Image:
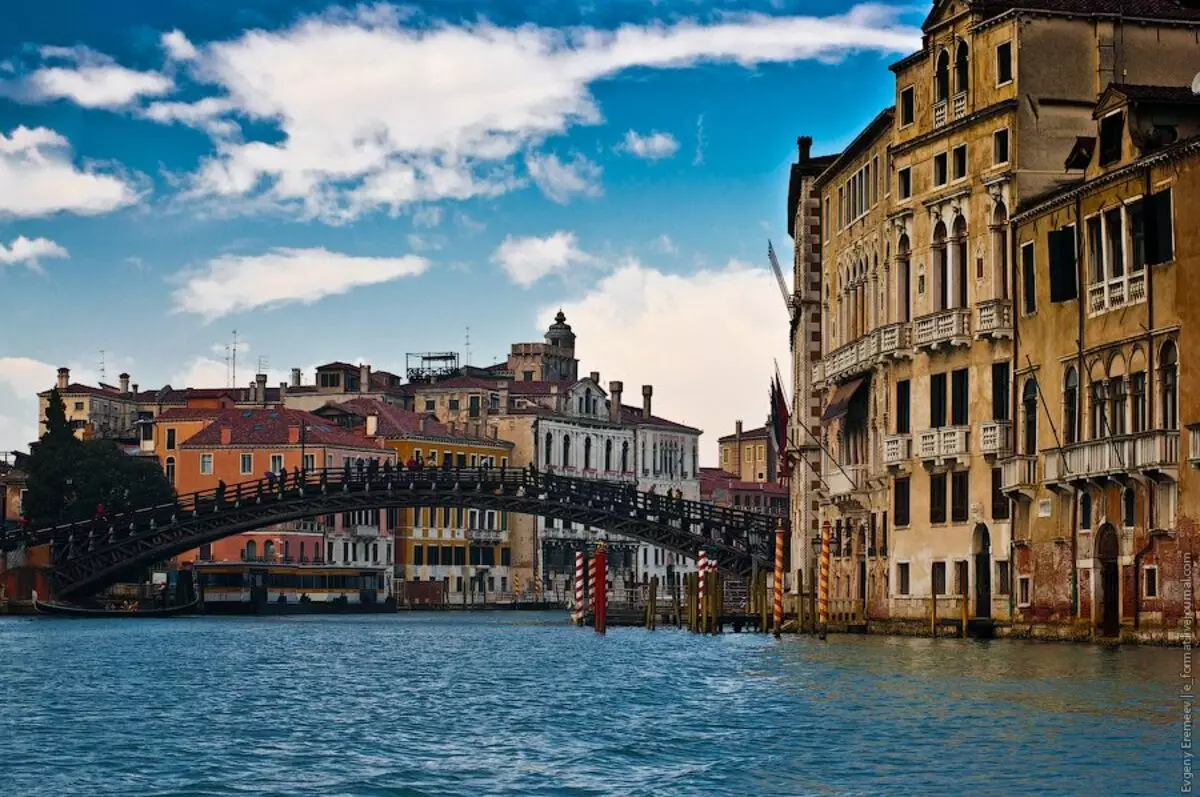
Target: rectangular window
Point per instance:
(902, 587)
(907, 106)
(825, 221)
(452, 404)
(78, 406)
(310, 462)
(960, 397)
(1138, 389)
(937, 498)
(1112, 131)
(960, 162)
(1004, 70)
(1061, 245)
(959, 495)
(1000, 391)
(1114, 231)
(874, 180)
(960, 577)
(1159, 229)
(1001, 510)
(1023, 591)
(1000, 147)
(206, 464)
(276, 463)
(1150, 581)
(939, 578)
(841, 207)
(1116, 393)
(904, 182)
(1028, 279)
(940, 172)
(903, 407)
(473, 407)
(937, 400)
(430, 405)
(901, 501)
(1003, 578)
(170, 439)
(247, 464)
(1095, 245)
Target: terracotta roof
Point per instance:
(633, 417)
(716, 478)
(1168, 94)
(188, 414)
(1135, 9)
(395, 422)
(76, 389)
(336, 364)
(751, 434)
(269, 427)
(540, 388)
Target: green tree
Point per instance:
(52, 462)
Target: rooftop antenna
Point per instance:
(103, 373)
(233, 360)
(228, 376)
(263, 364)
(467, 355)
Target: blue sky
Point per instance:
(369, 180)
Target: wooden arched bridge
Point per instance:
(90, 555)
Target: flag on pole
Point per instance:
(779, 423)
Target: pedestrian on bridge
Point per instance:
(282, 478)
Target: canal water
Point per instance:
(523, 704)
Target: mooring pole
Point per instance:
(701, 571)
(577, 615)
(823, 596)
(600, 591)
(778, 585)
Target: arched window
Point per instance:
(999, 230)
(1029, 403)
(269, 550)
(1117, 396)
(566, 457)
(1071, 407)
(549, 448)
(587, 452)
(1085, 510)
(1099, 397)
(608, 454)
(960, 261)
(1128, 507)
(1170, 385)
(962, 76)
(624, 457)
(941, 268)
(903, 281)
(941, 78)
(169, 469)
(302, 551)
(251, 550)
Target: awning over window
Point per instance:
(840, 403)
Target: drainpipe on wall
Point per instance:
(1014, 577)
(1078, 402)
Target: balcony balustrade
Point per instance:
(895, 340)
(947, 442)
(994, 319)
(897, 449)
(960, 105)
(995, 438)
(944, 328)
(1156, 450)
(1019, 474)
(1194, 446)
(856, 357)
(939, 113)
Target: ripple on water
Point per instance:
(522, 704)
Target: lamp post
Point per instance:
(814, 567)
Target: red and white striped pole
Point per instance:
(823, 595)
(778, 585)
(577, 615)
(591, 584)
(701, 569)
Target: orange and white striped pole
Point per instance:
(591, 584)
(701, 569)
(778, 579)
(823, 594)
(577, 615)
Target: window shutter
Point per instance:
(1062, 265)
(1159, 247)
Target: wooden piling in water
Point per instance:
(653, 602)
(963, 601)
(933, 616)
(675, 603)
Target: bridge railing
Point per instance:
(734, 528)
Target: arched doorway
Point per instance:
(1108, 549)
(982, 546)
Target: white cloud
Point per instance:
(236, 283)
(664, 244)
(177, 46)
(425, 243)
(38, 178)
(203, 115)
(87, 78)
(355, 132)
(527, 260)
(560, 181)
(21, 379)
(427, 216)
(29, 251)
(654, 146)
(638, 323)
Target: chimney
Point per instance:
(372, 424)
(647, 393)
(595, 375)
(614, 401)
(124, 383)
(283, 388)
(253, 392)
(135, 388)
(364, 378)
(261, 379)
(295, 377)
(293, 433)
(421, 424)
(226, 435)
(804, 145)
(64, 378)
(503, 398)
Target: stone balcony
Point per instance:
(939, 113)
(960, 105)
(945, 443)
(1154, 452)
(1019, 475)
(993, 319)
(895, 340)
(1194, 446)
(897, 450)
(943, 328)
(995, 438)
(846, 484)
(853, 359)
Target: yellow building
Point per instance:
(748, 455)
(468, 550)
(104, 411)
(1107, 503)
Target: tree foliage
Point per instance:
(68, 479)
